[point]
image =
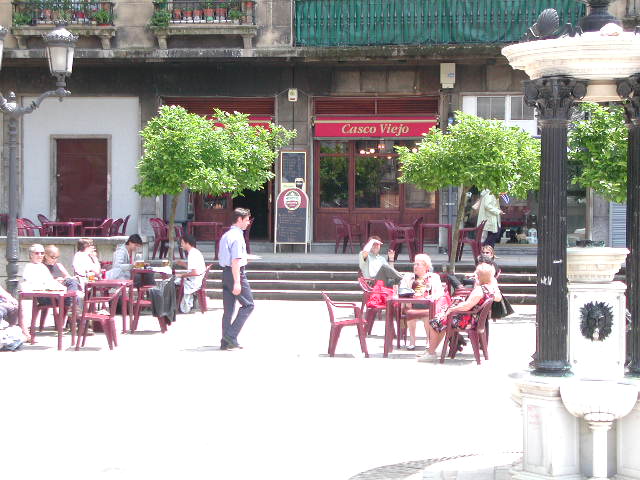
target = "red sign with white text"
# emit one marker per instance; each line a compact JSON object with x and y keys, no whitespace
{"x":374,"y":127}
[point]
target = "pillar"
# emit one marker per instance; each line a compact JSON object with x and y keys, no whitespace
{"x":553,"y":98}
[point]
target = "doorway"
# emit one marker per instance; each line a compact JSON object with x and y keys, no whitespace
{"x":259,"y":205}
{"x":81,"y":177}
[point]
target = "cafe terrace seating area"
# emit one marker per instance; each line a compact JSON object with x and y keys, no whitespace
{"x":73,"y":227}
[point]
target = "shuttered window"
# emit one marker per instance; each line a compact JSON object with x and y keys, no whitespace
{"x":258,"y":106}
{"x":375,"y":106}
{"x":617,"y":224}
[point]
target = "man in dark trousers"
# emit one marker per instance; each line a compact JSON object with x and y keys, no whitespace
{"x":233,"y":257}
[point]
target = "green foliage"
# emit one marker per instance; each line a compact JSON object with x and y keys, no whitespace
{"x":160,"y":18}
{"x":598,"y":150}
{"x":184,"y":150}
{"x":484,"y":153}
{"x":102,"y":17}
{"x":21,"y":18}
{"x":235,"y":14}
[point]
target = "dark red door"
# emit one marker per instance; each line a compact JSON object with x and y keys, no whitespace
{"x":81,"y":177}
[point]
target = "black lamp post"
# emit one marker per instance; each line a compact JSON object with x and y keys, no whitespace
{"x":60,"y":44}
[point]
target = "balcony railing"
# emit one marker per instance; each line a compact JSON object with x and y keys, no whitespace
{"x":74,"y":12}
{"x":238,"y":12}
{"x":421,"y":22}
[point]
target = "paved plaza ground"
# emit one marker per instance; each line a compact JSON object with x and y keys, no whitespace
{"x":175,"y":406}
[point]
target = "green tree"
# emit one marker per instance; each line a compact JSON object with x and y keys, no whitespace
{"x":474,"y":152}
{"x":598,"y":150}
{"x":184,"y":150}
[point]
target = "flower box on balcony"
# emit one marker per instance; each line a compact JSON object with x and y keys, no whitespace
{"x":247,"y":32}
{"x":104,"y":32}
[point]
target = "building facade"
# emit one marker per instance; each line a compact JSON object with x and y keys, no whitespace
{"x":354,"y":78}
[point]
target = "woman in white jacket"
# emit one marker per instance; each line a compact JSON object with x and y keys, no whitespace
{"x":489,"y":210}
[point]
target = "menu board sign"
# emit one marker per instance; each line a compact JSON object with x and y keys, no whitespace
{"x":292,"y":207}
{"x":293,"y":168}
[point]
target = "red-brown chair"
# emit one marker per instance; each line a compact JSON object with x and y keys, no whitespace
{"x":124,"y":225}
{"x":370,"y":312}
{"x":142,"y":298}
{"x":33,"y":227}
{"x":477,"y":335}
{"x":115,"y":227}
{"x":161,"y":237}
{"x":201,"y":293}
{"x":471,"y":237}
{"x":23,"y":229}
{"x":338,"y":324}
{"x":102,"y":230}
{"x":399,"y":235}
{"x":94,"y":300}
{"x":345,"y":232}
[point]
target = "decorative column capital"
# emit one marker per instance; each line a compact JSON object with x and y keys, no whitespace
{"x":629,"y":89}
{"x":553,"y":97}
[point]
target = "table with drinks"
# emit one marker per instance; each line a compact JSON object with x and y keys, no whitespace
{"x":57,"y":298}
{"x":393,"y":315}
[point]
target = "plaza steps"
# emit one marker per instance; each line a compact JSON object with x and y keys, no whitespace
{"x":305,"y":281}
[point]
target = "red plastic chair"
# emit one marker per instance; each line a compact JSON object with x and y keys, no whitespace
{"x":399,"y":235}
{"x":345,"y":233}
{"x":142,"y":299}
{"x":33,"y":227}
{"x":102,"y":230}
{"x":161,"y":237}
{"x":42,"y":219}
{"x":123,"y":231}
{"x":201,"y":293}
{"x":94,"y":300}
{"x":477,"y":335}
{"x":464,"y":237}
{"x":370,"y":312}
{"x":115,"y":227}
{"x":338,"y":324}
{"x":23,"y":229}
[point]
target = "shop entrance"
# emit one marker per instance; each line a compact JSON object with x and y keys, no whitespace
{"x":260,"y":206}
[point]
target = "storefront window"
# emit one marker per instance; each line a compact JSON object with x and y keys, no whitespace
{"x":377,"y":182}
{"x":334,"y":182}
{"x":415,"y":197}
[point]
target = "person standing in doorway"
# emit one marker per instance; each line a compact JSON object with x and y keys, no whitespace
{"x":235,"y":286}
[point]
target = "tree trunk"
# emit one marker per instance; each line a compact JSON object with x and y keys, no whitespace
{"x":462,"y":200}
{"x":172,"y":230}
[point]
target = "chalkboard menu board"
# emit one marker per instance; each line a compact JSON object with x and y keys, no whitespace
{"x":292,"y":206}
{"x":293,"y":168}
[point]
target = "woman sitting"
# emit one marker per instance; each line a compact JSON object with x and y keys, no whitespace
{"x":424,"y":284}
{"x":486,"y":288}
{"x":85,"y":261}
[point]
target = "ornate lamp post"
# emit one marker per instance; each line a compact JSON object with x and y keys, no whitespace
{"x":598,"y":62}
{"x":60,"y":44}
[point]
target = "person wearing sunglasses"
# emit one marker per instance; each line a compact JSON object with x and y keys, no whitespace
{"x":36,"y":276}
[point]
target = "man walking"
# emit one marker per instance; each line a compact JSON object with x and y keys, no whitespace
{"x":232,"y":255}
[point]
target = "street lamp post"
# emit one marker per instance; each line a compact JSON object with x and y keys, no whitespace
{"x":60,"y":44}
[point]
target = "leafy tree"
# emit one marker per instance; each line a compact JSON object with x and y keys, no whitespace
{"x":184,"y":150}
{"x":474,"y":152}
{"x":598,"y":150}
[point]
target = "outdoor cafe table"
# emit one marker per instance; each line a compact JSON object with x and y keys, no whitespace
{"x":57,"y":303}
{"x":127,"y":296}
{"x":193,"y":226}
{"x":394,"y":304}
{"x":70,"y":227}
{"x":88,"y":221}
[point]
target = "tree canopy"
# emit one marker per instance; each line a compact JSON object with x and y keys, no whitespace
{"x":476,"y":152}
{"x":598,"y":150}
{"x":216,"y":156}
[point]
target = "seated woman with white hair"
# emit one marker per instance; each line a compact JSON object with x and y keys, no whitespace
{"x":486,"y":288}
{"x":424,"y":284}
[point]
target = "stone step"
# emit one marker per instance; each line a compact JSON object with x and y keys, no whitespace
{"x":340,"y":295}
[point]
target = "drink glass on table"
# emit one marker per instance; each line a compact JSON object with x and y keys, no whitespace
{"x":91,"y":276}
{"x":139,"y":261}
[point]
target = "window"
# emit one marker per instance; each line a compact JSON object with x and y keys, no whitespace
{"x":334,"y":182}
{"x":491,"y":108}
{"x":520,"y":110}
{"x":415,"y":197}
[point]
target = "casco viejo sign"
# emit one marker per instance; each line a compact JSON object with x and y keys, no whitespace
{"x":374,"y":127}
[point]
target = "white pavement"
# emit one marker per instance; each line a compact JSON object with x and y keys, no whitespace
{"x":174,"y":406}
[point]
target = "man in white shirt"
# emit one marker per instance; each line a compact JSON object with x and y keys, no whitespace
{"x":375,"y":266}
{"x":195,"y":271}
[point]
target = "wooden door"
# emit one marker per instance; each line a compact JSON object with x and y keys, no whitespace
{"x":81,"y":171}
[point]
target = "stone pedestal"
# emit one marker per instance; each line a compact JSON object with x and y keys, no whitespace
{"x":591,"y":357}
{"x":628,"y":455}
{"x":551,"y":435}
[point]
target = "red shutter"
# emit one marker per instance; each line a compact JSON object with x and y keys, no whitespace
{"x":256,"y":106}
{"x":375,"y":106}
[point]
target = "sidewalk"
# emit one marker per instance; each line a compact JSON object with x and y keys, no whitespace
{"x":175,"y":406}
